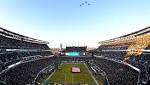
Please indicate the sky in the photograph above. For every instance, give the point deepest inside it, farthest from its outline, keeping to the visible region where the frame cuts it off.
(64, 21)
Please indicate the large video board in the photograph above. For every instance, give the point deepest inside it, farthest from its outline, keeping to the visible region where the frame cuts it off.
(72, 54)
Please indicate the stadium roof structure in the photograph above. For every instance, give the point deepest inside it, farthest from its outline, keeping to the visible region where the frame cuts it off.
(13, 35)
(127, 37)
(139, 32)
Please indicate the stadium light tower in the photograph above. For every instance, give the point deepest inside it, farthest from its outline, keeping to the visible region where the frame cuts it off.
(61, 46)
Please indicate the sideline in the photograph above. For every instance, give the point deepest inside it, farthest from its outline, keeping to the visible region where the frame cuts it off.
(48, 78)
(91, 74)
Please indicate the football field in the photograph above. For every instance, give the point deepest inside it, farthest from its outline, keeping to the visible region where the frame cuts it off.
(64, 75)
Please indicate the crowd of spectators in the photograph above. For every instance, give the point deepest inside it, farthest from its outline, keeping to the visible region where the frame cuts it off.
(26, 72)
(113, 47)
(16, 48)
(13, 50)
(133, 48)
(8, 43)
(116, 52)
(8, 58)
(143, 63)
(76, 49)
(116, 73)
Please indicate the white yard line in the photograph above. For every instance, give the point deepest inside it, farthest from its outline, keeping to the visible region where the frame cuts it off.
(65, 79)
(49, 77)
(91, 74)
(72, 80)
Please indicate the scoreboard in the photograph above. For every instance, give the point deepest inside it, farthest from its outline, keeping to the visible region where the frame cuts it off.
(72, 53)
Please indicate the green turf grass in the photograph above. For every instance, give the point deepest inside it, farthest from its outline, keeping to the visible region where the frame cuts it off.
(63, 75)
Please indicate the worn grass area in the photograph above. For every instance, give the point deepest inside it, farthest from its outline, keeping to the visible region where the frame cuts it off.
(63, 75)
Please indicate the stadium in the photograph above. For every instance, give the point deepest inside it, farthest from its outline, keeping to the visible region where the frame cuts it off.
(121, 55)
(119, 61)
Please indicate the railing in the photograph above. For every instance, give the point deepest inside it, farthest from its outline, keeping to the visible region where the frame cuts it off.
(49, 68)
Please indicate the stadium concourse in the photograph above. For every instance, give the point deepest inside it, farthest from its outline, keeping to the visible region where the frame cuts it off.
(120, 61)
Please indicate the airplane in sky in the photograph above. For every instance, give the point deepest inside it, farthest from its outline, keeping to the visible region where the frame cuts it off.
(85, 3)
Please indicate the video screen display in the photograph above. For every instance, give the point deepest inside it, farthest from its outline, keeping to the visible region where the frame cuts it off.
(72, 54)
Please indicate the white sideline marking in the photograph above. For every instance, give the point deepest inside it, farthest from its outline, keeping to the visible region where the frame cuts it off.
(91, 74)
(49, 77)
